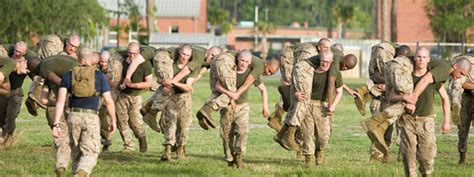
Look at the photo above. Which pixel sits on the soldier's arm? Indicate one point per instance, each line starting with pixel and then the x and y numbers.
pixel 338 97
pixel 109 104
pixel 52 77
pixel 378 78
pixel 187 87
pixel 5 89
pixel 247 83
pixel 264 93
pixel 223 90
pixel 201 73
pixel 420 86
pixel 142 85
pixel 331 87
pixel 350 91
pixel 44 99
pixel 181 74
pixel 446 109
pixel 468 86
pixel 60 102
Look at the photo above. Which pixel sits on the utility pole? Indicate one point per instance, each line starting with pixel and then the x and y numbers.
pixel 266 13
pixel 256 24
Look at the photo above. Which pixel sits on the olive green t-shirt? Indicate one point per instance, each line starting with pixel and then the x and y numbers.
pixel 197 57
pixel 439 69
pixel 148 52
pixel 320 85
pixel 424 105
pixel 16 80
pixel 143 70
pixel 57 64
pixel 240 81
pixel 8 66
pixel 176 70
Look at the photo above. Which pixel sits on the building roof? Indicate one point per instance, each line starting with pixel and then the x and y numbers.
pixel 201 39
pixel 164 8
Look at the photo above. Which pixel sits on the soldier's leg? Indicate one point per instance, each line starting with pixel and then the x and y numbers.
pixel 183 123
pixel 75 126
pixel 455 92
pixel 63 149
pixel 149 114
pixel 375 106
pixel 463 128
pixel 163 66
pixel 106 137
pixel 170 118
pixel 408 144
pixel 322 131
pixel 122 108
pixel 426 149
pixel 307 134
pixel 3 111
pixel 274 121
pixel 136 122
pixel 13 110
pixel 89 144
pixel 226 133
pixel 241 127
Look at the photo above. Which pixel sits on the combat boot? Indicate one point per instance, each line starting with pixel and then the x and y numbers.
pixel 60 172
pixel 204 116
pixel 308 161
pixel 463 158
pixel 286 138
pixel 274 121
pixel 143 144
pixel 31 106
pixel 150 120
pixel 146 107
pixel 376 128
pixel 80 173
pixel 165 156
pixel 239 163
pixel 361 101
pixel 299 154
pixel 180 152
pixel 375 157
pixel 319 157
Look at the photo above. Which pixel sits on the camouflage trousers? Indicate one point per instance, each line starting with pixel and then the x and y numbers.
pixel 234 130
pixel 177 119
pixel 302 81
pixel 418 142
pixel 377 105
pixel 105 120
pixel 222 70
pixel 10 106
pixel 84 134
pixel 465 123
pixel 163 66
pixel 128 116
pixel 286 58
pixel 455 92
pixel 316 128
pixel 61 144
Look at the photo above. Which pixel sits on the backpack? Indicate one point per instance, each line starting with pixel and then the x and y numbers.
pixel 50 45
pixel 83 81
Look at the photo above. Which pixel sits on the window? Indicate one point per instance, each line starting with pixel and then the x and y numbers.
pixel 174 29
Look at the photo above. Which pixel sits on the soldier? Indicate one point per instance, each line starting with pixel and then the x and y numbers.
pixel 223 71
pixel 11 103
pixel 235 121
pixel 112 68
pixel 177 112
pixel 71 45
pixel 82 121
pixel 129 100
pixel 417 131
pixel 316 121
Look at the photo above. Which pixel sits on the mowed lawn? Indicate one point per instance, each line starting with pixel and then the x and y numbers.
pixel 346 155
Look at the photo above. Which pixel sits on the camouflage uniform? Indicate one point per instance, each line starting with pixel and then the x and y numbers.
pixel 222 70
pixel 455 90
pixel 234 130
pixel 316 123
pixel 177 118
pixel 302 74
pixel 129 117
pixel 381 54
pixel 466 110
pixel 163 66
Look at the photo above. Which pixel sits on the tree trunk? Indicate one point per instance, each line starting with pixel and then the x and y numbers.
pixel 393 21
pixel 375 15
pixel 329 13
pixel 339 31
pixel 150 26
pixel 385 21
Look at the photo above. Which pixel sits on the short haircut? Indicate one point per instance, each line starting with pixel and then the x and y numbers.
pixel 185 47
pixel 86 53
pixel 245 54
pixel 463 62
pixel 338 46
pixel 326 55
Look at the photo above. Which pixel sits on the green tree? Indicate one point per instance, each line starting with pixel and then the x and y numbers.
pixel 344 14
pixel 265 28
pixel 450 19
pixel 22 19
pixel 219 17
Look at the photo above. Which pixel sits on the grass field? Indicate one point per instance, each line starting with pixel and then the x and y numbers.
pixel 346 155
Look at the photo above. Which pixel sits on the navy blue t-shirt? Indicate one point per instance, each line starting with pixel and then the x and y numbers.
pixel 101 86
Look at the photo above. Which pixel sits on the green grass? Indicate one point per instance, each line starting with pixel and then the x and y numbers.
pixel 346 155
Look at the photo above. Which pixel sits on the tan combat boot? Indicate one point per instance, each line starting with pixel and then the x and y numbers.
pixel 204 116
pixel 308 161
pixel 146 107
pixel 274 121
pixel 463 158
pixel 362 101
pixel 180 152
pixel 376 128
pixel 143 144
pixel 31 106
pixel 150 120
pixel 239 163
pixel 299 154
pixel 286 138
pixel 319 157
pixel 80 173
pixel 60 172
pixel 376 156
pixel 165 156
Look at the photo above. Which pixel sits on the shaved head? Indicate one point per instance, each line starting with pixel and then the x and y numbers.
pixel 463 63
pixel 87 56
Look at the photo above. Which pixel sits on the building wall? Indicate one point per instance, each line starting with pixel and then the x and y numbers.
pixel 413 23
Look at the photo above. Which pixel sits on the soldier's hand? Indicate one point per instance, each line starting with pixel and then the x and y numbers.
pixel 112 127
pixel 300 96
pixel 446 127
pixel 355 94
pixel 411 99
pixel 410 108
pixel 56 132
pixel 233 105
pixel 380 87
pixel 265 113
pixel 234 95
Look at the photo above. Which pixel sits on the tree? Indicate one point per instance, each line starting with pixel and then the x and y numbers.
pixel 150 16
pixel 219 17
pixel 22 19
pixel 385 21
pixel 344 14
pixel 450 19
pixel 393 22
pixel 265 29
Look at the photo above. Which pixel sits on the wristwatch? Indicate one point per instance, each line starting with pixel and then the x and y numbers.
pixel 57 126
